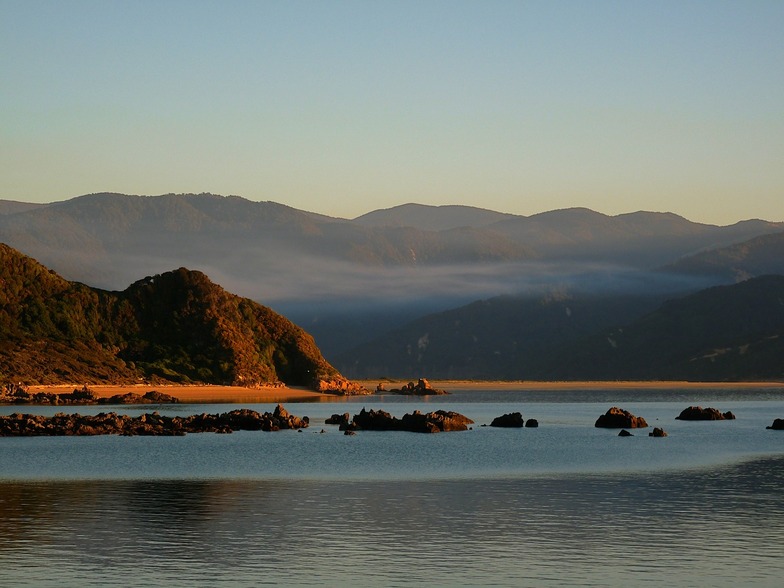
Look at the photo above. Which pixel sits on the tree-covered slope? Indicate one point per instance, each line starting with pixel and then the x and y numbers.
pixel 177 326
pixel 723 333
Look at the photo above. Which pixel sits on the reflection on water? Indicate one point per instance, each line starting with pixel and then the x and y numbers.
pixel 717 527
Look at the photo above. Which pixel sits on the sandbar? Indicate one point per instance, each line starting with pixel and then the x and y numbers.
pixel 206 394
pixel 203 394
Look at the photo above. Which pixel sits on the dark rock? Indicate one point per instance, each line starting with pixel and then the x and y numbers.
pixel 349 432
pixel 512 419
pixel 18 394
pixel 697 413
pixel 155 397
pixel 778 425
pixel 617 418
pixel 625 433
pixel 416 422
pixel 657 432
pixel 434 422
pixel 338 419
pixel 148 424
pixel 531 423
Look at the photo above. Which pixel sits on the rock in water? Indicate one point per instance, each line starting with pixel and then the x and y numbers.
pixel 697 413
pixel 617 418
pixel 512 419
pixel 778 425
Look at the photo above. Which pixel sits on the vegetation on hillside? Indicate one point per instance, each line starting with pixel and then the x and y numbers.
pixel 174 327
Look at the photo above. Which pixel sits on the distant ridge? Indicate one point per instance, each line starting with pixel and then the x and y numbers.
pixel 109 239
pixel 755 257
pixel 342 277
pixel 724 333
pixel 431 218
pixel 174 327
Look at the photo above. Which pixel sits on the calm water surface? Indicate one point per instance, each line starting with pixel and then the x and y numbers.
pixel 564 504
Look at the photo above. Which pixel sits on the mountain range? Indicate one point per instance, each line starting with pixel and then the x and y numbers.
pixel 355 283
pixel 733 332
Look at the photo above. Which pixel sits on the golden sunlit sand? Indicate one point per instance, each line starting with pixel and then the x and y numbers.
pixel 203 394
pixel 238 394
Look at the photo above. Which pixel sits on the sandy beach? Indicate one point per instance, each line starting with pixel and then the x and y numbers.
pixel 237 394
pixel 204 394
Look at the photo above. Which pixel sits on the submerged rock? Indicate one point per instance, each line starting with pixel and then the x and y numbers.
pixel 697 413
pixel 625 433
pixel 617 418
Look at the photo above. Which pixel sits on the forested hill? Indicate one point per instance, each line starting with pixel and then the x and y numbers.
pixel 177 327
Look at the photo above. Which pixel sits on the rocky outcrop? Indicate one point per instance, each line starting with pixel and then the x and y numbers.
pixel 778 425
pixel 435 422
pixel 19 394
pixel 531 424
pixel 421 388
pixel 112 423
pixel 617 418
pixel 697 413
pixel 512 419
pixel 416 422
pixel 625 433
pixel 340 386
pixel 657 432
pixel 338 419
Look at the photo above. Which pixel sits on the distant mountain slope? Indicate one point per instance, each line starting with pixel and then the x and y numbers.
pixel 723 333
pixel 755 257
pixel 177 326
pixel 108 239
pixel 291 258
pixel 731 332
pixel 12 206
pixel 640 239
pixel 509 337
pixel 431 218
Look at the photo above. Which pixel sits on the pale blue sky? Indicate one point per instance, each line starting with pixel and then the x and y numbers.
pixel 343 107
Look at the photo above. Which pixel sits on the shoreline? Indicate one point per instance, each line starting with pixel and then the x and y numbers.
pixel 205 394
pixel 210 394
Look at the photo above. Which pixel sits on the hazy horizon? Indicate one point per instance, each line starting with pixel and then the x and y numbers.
pixel 345 107
pixel 403 204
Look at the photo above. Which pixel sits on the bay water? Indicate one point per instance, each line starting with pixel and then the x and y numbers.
pixel 564 504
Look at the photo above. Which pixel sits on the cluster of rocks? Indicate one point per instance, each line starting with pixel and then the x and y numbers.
pixel 341 387
pixel 111 423
pixel 20 394
pixel 512 420
pixel 416 422
pixel 617 418
pixel 657 432
pixel 421 388
pixel 697 413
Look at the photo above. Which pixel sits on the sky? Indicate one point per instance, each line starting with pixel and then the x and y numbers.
pixel 343 107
